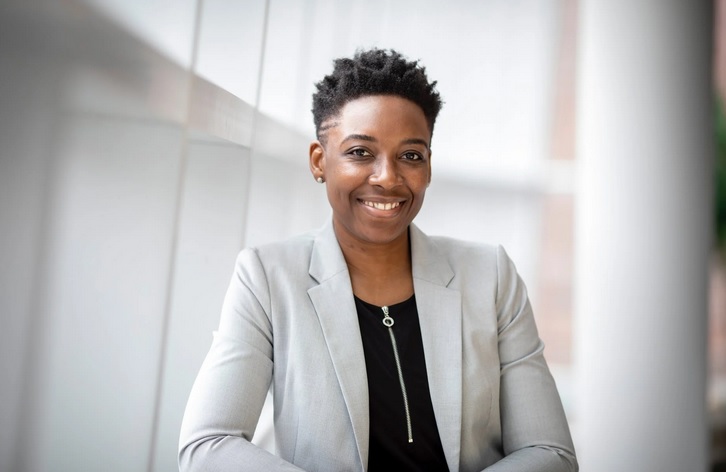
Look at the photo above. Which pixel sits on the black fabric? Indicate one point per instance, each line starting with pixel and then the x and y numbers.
pixel 389 446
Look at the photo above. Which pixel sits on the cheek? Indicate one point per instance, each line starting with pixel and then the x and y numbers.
pixel 344 181
pixel 421 193
pixel 419 183
pixel 420 198
pixel 339 194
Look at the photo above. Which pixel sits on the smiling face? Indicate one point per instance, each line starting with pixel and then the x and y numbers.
pixel 376 162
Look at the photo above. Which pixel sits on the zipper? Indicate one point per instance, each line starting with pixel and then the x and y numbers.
pixel 388 322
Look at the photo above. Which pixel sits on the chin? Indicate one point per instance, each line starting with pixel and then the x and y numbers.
pixel 383 236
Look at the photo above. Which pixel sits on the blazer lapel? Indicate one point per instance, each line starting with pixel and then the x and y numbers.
pixel 439 311
pixel 334 304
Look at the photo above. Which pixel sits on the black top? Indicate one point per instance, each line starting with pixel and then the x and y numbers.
pixel 389 445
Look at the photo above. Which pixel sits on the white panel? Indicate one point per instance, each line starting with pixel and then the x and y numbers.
pixel 286 51
pixel 26 130
pixel 230 45
pixel 87 202
pixel 210 235
pixel 281 203
pixel 104 293
pixel 167 25
pixel 310 206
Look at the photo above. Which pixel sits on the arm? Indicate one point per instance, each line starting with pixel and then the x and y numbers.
pixel 535 434
pixel 229 392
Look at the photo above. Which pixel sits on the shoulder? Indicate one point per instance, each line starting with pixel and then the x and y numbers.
pixel 460 248
pixel 472 262
pixel 464 253
pixel 290 255
pixel 288 250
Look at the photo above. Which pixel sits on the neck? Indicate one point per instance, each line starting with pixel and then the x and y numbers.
pixel 380 273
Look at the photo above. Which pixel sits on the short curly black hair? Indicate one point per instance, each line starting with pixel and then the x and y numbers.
pixel 374 72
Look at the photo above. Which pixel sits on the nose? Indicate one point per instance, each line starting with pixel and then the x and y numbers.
pixel 385 173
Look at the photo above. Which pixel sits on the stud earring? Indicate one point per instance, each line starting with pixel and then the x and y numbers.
pixel 319 180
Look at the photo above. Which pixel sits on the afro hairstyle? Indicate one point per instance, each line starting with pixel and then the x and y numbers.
pixel 374 72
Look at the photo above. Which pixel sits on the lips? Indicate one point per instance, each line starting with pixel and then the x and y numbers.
pixel 381 205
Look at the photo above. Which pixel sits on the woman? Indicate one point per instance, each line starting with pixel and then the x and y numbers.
pixel 385 348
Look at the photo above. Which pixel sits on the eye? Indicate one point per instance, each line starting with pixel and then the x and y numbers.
pixel 360 152
pixel 412 156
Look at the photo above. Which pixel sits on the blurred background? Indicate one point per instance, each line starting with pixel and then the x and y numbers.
pixel 144 143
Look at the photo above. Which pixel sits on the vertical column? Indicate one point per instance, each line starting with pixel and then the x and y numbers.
pixel 643 233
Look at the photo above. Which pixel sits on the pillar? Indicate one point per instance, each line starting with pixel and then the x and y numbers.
pixel 643 234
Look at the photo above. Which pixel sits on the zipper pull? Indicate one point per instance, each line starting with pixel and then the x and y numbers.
pixel 387 320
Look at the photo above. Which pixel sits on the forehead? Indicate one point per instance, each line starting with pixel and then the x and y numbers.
pixel 381 116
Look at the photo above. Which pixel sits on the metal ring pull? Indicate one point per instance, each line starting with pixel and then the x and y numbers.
pixel 387 320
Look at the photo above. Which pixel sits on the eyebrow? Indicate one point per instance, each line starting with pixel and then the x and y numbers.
pixel 360 137
pixel 365 137
pixel 416 141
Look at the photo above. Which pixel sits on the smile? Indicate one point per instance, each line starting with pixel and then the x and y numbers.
pixel 382 206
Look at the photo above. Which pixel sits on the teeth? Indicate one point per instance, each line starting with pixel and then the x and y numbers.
pixel 382 206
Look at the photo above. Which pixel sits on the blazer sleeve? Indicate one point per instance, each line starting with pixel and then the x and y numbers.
pixel 535 434
pixel 230 389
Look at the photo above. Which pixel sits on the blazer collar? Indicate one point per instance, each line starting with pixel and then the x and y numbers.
pixel 335 307
pixel 439 310
pixel 428 264
pixel 440 316
pixel 327 258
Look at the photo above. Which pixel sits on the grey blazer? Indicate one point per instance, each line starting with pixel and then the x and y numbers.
pixel 289 321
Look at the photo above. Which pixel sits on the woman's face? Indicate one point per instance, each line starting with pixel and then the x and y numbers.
pixel 376 162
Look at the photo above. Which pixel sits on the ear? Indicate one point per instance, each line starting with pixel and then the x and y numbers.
pixel 317 159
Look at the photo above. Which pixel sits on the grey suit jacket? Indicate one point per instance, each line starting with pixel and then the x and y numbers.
pixel 289 321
